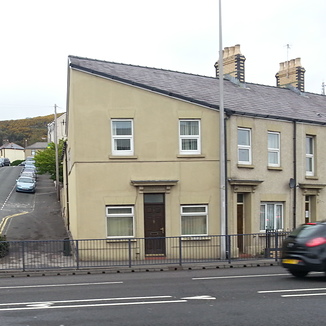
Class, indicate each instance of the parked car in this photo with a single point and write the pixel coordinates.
(304, 250)
(29, 170)
(29, 174)
(25, 184)
(6, 161)
(2, 162)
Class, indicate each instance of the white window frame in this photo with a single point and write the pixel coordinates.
(194, 213)
(115, 138)
(120, 215)
(190, 137)
(244, 147)
(310, 156)
(274, 150)
(264, 208)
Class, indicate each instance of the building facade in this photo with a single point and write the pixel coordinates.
(142, 156)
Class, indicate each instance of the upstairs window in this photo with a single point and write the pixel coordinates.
(310, 155)
(122, 137)
(189, 136)
(244, 146)
(274, 149)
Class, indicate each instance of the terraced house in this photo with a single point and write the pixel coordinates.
(142, 156)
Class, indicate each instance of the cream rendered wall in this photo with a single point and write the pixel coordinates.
(98, 179)
(275, 181)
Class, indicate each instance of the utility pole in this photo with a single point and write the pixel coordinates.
(57, 182)
(222, 143)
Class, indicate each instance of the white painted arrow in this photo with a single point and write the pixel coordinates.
(200, 297)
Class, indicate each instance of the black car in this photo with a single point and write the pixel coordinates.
(304, 250)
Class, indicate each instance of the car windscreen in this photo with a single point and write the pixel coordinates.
(25, 180)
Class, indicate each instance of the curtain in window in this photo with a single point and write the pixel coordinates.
(193, 225)
(273, 140)
(189, 128)
(121, 128)
(120, 226)
(189, 144)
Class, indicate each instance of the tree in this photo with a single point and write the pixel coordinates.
(45, 161)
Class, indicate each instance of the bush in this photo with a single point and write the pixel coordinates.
(4, 246)
(16, 163)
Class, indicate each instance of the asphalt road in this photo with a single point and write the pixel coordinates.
(243, 296)
(25, 216)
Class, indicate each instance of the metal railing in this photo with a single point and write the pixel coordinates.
(133, 252)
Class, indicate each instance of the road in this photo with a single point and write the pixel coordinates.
(25, 216)
(240, 296)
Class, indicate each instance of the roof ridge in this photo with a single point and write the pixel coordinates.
(139, 66)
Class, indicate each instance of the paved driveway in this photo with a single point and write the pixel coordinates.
(40, 221)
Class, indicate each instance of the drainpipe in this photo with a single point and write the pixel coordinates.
(294, 172)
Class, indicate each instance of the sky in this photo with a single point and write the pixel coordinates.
(37, 36)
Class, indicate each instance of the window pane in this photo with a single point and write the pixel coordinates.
(193, 225)
(309, 164)
(273, 140)
(270, 217)
(120, 226)
(122, 144)
(309, 145)
(153, 198)
(189, 144)
(262, 217)
(279, 217)
(193, 209)
(273, 158)
(121, 128)
(119, 210)
(243, 137)
(244, 155)
(189, 128)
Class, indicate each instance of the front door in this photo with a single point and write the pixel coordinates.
(154, 208)
(240, 217)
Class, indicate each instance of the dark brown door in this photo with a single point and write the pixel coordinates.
(240, 228)
(154, 208)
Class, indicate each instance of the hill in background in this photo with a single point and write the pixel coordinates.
(25, 132)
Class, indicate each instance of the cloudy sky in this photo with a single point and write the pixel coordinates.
(183, 35)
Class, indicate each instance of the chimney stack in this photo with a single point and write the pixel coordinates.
(291, 73)
(233, 63)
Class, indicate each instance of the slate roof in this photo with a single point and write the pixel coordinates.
(11, 146)
(248, 99)
(38, 145)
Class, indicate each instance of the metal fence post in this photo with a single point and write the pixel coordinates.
(276, 245)
(77, 254)
(23, 255)
(180, 252)
(129, 252)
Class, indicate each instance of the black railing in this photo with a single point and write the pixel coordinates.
(133, 252)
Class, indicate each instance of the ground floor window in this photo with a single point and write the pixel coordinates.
(271, 216)
(194, 220)
(120, 221)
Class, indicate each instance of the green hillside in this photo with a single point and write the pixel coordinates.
(25, 132)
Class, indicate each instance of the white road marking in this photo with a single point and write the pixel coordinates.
(200, 297)
(57, 285)
(236, 276)
(292, 290)
(51, 304)
(301, 295)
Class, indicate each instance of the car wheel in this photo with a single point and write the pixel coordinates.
(299, 274)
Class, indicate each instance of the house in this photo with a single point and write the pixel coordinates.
(12, 151)
(142, 156)
(31, 150)
(60, 123)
